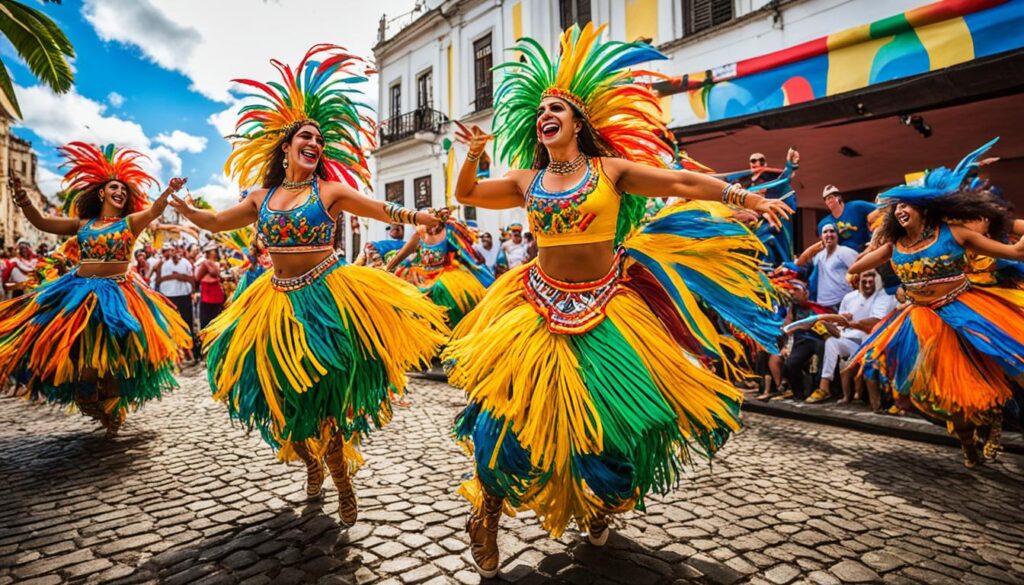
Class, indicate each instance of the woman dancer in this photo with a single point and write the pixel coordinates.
(954, 349)
(446, 267)
(589, 370)
(97, 336)
(308, 352)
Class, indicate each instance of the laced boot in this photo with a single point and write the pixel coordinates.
(600, 528)
(482, 527)
(314, 471)
(348, 506)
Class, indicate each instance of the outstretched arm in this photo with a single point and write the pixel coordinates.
(232, 218)
(872, 259)
(648, 181)
(980, 244)
(499, 193)
(141, 220)
(404, 252)
(807, 255)
(340, 197)
(64, 226)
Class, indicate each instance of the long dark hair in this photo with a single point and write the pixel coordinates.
(273, 172)
(90, 206)
(589, 142)
(962, 205)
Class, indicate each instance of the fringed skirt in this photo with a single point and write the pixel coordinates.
(955, 359)
(310, 357)
(585, 397)
(455, 289)
(62, 337)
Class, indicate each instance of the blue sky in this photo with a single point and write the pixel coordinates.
(155, 75)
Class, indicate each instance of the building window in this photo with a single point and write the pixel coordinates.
(421, 189)
(700, 15)
(396, 100)
(469, 212)
(425, 91)
(574, 12)
(395, 192)
(483, 77)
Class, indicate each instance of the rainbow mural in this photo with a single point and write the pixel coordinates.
(924, 39)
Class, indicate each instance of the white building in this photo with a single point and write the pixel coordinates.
(856, 85)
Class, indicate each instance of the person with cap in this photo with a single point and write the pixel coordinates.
(849, 218)
(830, 263)
(516, 249)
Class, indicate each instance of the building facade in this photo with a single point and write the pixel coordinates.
(17, 158)
(867, 91)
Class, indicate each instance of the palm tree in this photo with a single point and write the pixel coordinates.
(42, 45)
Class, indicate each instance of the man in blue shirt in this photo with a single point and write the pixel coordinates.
(850, 219)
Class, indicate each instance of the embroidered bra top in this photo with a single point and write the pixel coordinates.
(585, 214)
(433, 256)
(944, 260)
(306, 228)
(110, 243)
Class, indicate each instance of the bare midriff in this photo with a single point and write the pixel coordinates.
(102, 269)
(577, 262)
(290, 265)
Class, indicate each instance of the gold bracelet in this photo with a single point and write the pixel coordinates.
(474, 157)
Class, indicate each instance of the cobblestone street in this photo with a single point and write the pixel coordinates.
(183, 496)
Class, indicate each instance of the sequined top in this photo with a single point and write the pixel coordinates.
(942, 260)
(110, 243)
(584, 214)
(306, 228)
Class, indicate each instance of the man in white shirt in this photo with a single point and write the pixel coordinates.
(516, 252)
(831, 263)
(487, 249)
(20, 269)
(859, 312)
(175, 278)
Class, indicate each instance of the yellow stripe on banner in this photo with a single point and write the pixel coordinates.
(948, 43)
(449, 179)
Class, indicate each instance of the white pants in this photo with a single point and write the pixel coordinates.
(836, 348)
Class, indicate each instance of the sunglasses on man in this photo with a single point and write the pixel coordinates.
(757, 161)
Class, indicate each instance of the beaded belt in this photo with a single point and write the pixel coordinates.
(298, 249)
(118, 278)
(919, 284)
(570, 307)
(946, 298)
(297, 282)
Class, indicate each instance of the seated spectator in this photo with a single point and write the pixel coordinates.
(804, 343)
(859, 312)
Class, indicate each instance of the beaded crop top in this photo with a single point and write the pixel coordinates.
(587, 213)
(110, 243)
(944, 260)
(306, 228)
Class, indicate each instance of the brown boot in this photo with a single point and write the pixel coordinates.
(482, 527)
(348, 506)
(994, 442)
(314, 471)
(114, 421)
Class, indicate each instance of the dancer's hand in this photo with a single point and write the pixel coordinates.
(793, 157)
(472, 136)
(185, 206)
(775, 211)
(432, 218)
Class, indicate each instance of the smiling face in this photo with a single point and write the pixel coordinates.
(829, 237)
(114, 194)
(908, 216)
(757, 160)
(486, 240)
(305, 149)
(867, 283)
(557, 125)
(834, 203)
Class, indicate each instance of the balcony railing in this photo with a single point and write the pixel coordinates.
(406, 125)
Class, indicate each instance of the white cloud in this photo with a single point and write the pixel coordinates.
(212, 43)
(182, 141)
(224, 120)
(71, 116)
(220, 192)
(115, 99)
(49, 182)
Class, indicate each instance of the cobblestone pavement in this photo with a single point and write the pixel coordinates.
(182, 496)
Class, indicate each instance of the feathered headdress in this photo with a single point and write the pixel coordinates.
(595, 77)
(314, 92)
(91, 166)
(937, 182)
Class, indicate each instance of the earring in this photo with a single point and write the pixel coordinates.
(284, 162)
